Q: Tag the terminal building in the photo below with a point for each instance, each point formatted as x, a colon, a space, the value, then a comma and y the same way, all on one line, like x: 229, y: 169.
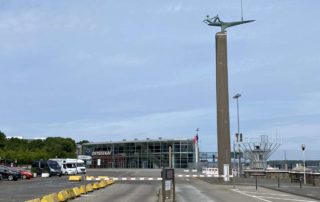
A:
x: 141, y: 153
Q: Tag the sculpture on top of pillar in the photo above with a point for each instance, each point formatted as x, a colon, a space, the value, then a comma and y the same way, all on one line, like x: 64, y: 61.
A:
x: 222, y: 94
x: 215, y: 21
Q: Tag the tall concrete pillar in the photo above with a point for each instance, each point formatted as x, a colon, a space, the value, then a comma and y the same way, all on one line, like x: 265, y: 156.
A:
x: 222, y: 94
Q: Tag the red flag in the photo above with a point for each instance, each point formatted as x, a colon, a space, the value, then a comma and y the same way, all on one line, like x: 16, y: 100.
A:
x: 195, y: 139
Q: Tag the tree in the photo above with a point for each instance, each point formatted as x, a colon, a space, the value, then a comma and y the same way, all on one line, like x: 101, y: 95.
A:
x: 16, y: 144
x: 3, y: 139
x: 82, y: 142
x: 60, y: 147
x: 25, y: 151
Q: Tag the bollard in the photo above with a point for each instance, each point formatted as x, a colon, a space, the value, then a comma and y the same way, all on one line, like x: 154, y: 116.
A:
x: 300, y: 180
x: 256, y: 182
x: 278, y: 180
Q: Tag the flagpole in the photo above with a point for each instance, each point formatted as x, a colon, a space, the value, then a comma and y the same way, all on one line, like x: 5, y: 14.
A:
x: 196, y: 150
x: 197, y: 146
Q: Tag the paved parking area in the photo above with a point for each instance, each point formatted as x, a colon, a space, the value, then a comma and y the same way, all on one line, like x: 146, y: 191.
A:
x: 21, y: 190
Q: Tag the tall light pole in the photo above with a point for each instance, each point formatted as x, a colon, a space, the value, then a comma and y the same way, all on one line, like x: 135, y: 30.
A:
x: 303, y: 147
x: 238, y: 134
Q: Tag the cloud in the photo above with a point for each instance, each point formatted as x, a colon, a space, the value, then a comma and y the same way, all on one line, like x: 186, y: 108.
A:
x: 104, y: 69
x: 174, y: 8
x: 124, y: 60
x: 16, y: 22
x: 148, y: 125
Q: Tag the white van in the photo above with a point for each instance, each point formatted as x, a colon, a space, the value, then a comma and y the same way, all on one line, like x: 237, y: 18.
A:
x: 81, y: 166
x: 68, y: 166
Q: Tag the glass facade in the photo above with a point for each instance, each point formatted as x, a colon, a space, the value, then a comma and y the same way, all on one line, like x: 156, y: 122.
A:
x: 140, y: 154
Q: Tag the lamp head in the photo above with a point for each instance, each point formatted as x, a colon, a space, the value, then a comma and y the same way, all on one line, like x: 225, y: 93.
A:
x: 237, y: 96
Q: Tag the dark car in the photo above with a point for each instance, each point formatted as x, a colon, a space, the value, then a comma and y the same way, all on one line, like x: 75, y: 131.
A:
x: 8, y: 173
x: 43, y: 166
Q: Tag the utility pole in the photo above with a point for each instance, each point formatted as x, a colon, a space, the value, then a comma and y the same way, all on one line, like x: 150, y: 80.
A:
x: 238, y: 135
x: 303, y: 147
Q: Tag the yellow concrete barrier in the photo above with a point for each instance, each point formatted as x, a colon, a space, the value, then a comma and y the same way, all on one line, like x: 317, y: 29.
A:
x: 50, y: 198
x: 110, y: 182
x: 63, y: 196
x: 89, y: 188
x: 103, y: 177
x: 71, y: 194
x: 76, y: 191
x: 90, y: 178
x: 75, y: 178
x: 102, y: 184
x: 82, y: 189
x: 34, y: 200
x: 95, y: 185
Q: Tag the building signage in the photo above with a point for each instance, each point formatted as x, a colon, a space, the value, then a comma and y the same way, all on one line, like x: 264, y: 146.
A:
x: 101, y: 153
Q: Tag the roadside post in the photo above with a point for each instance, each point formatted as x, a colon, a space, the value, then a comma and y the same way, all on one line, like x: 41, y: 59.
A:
x: 226, y: 171
x: 256, y: 175
x: 256, y: 182
x: 98, y: 163
x: 168, y: 184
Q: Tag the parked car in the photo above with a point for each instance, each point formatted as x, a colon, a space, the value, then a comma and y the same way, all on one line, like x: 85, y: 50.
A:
x: 24, y: 173
x: 71, y: 166
x: 8, y: 173
x: 43, y: 166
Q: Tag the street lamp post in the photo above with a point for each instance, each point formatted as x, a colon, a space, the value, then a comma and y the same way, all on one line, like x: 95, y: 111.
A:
x: 303, y: 147
x: 238, y: 134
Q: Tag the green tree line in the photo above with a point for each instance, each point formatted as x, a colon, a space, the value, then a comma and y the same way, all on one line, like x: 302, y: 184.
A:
x: 25, y: 151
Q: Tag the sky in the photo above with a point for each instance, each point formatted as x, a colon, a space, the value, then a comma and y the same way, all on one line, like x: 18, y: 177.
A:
x: 104, y: 70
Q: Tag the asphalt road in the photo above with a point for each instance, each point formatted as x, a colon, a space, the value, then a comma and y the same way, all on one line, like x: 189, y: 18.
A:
x: 199, y: 190
x: 22, y: 190
x: 187, y: 189
x: 146, y: 191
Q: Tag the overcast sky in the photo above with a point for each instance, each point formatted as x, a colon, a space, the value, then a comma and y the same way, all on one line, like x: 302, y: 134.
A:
x: 110, y: 70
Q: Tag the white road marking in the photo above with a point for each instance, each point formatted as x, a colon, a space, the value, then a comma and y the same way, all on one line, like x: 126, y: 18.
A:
x: 286, y: 199
x: 266, y: 193
x: 264, y: 198
x: 252, y: 196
